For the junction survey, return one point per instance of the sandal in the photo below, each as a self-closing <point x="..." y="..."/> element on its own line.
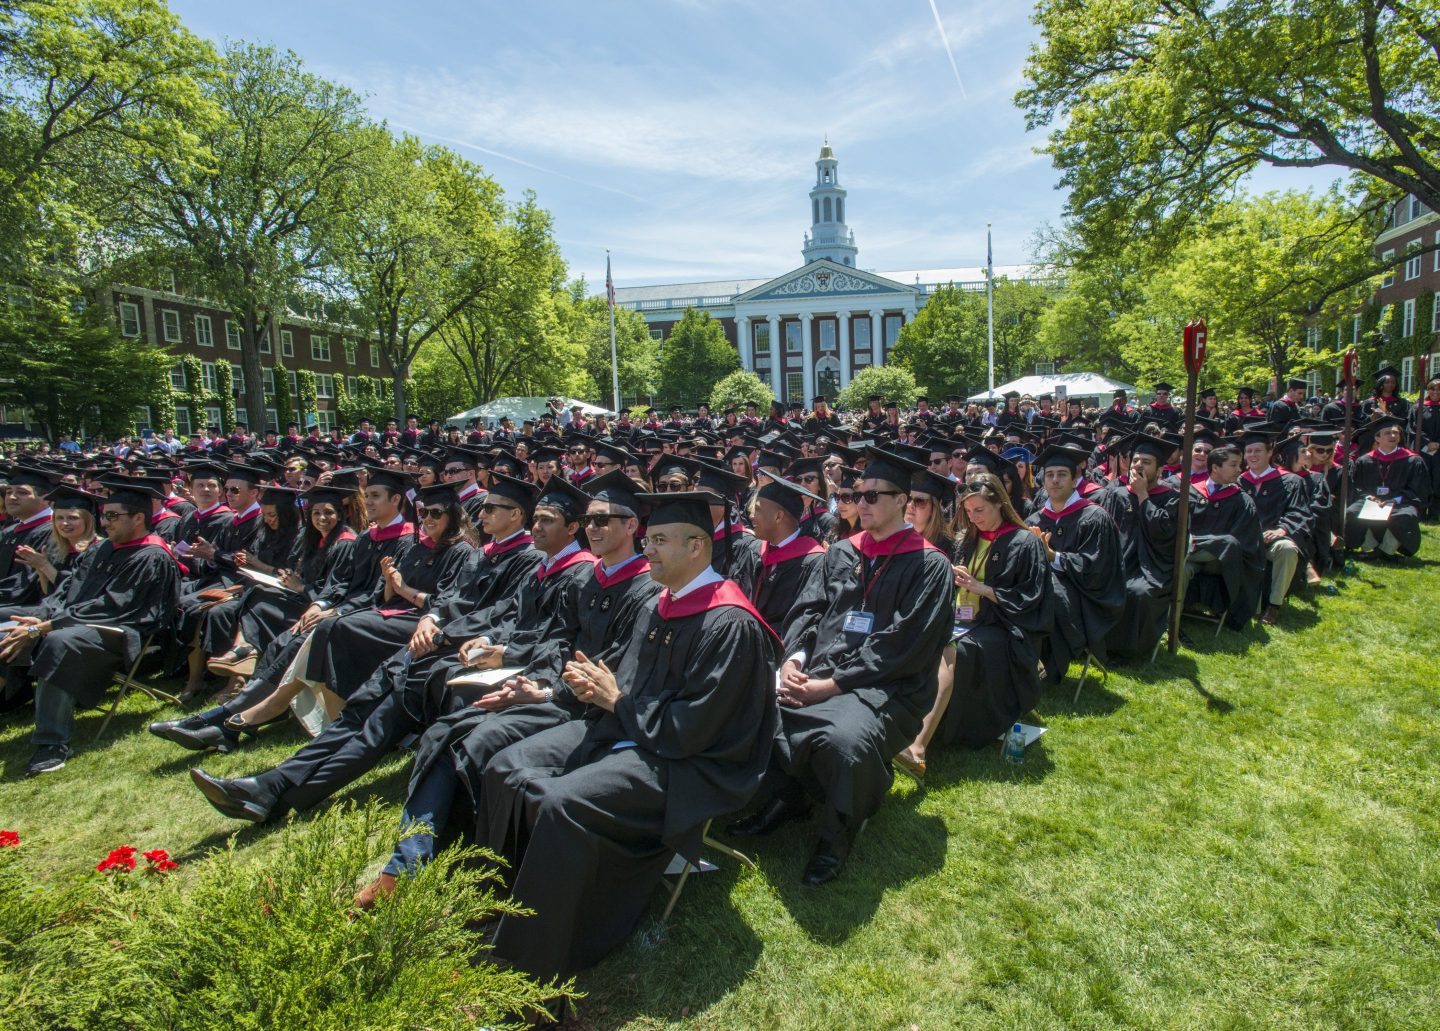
<point x="911" y="767"/>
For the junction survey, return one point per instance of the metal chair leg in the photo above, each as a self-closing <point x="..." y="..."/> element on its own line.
<point x="1084" y="671"/>
<point x="125" y="686"/>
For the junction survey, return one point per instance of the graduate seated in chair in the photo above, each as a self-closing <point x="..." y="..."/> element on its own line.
<point x="1226" y="564"/>
<point x="679" y="732"/>
<point x="97" y="625"/>
<point x="1395" y="482"/>
<point x="1282" y="502"/>
<point x="858" y="691"/>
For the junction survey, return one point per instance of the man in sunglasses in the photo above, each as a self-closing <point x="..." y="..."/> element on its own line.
<point x="863" y="678"/>
<point x="577" y="459"/>
<point x="791" y="590"/>
<point x="132" y="583"/>
<point x="461" y="466"/>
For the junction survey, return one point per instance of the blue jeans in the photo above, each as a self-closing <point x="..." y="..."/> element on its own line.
<point x="54" y="715"/>
<point x="425" y="812"/>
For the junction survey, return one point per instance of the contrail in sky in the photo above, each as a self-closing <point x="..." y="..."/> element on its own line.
<point x="948" y="52"/>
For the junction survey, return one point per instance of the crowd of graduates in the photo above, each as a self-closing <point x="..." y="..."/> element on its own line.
<point x="599" y="636"/>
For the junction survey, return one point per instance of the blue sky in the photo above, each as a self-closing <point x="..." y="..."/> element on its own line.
<point x="682" y="135"/>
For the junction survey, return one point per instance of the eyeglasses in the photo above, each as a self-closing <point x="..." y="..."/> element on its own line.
<point x="662" y="542"/>
<point x="576" y="451"/>
<point x="432" y="512"/>
<point x="110" y="517"/>
<point x="871" y="497"/>
<point x="808" y="478"/>
<point x="845" y="497"/>
<point x="917" y="500"/>
<point x="957" y="454"/>
<point x="600" y="521"/>
<point x="490" y="507"/>
<point x="455" y="470"/>
<point x="602" y="463"/>
<point x="235" y="490"/>
<point x="664" y="487"/>
<point x="939" y="460"/>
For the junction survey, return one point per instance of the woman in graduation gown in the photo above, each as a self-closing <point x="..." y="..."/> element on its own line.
<point x="322" y="554"/>
<point x="274" y="545"/>
<point x="1002" y="611"/>
<point x="72" y="537"/>
<point x="1391" y="475"/>
<point x="817" y="522"/>
<point x="360" y="641"/>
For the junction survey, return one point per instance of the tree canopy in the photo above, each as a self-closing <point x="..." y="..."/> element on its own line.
<point x="694" y="357"/>
<point x="893" y="382"/>
<point x="946" y="345"/>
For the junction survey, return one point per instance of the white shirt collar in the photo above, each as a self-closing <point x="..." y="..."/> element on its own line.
<point x="46" y="511"/>
<point x="610" y="570"/>
<point x="517" y="533"/>
<point x="707" y="577"/>
<point x="1074" y="497"/>
<point x="787" y="540"/>
<point x="569" y="549"/>
<point x="254" y="507"/>
<point x="396" y="521"/>
<point x="469" y="492"/>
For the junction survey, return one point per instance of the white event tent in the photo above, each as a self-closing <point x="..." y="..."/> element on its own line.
<point x="517" y="408"/>
<point x="1087" y="385"/>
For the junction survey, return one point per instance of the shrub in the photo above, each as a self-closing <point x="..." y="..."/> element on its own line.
<point x="739" y="389"/>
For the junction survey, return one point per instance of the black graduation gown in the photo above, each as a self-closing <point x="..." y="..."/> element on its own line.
<point x="1147" y="540"/>
<point x="361" y="640"/>
<point x="1168" y="416"/>
<point x="996" y="680"/>
<point x="1087" y="588"/>
<point x="217" y="630"/>
<point x="18" y="583"/>
<point x="791" y="593"/>
<point x="742" y="561"/>
<point x="1396" y="406"/>
<point x="132" y="587"/>
<point x="209" y="525"/>
<point x="589" y="821"/>
<point x="818" y="523"/>
<point x="1225" y="527"/>
<point x="166" y="525"/>
<point x="839" y="750"/>
<point x="1321" y="503"/>
<point x="1282" y="413"/>
<point x="1428" y="415"/>
<point x="268" y="612"/>
<point x="1282" y="501"/>
<point x="1401" y="476"/>
<point x="1334" y="414"/>
<point x="235" y="535"/>
<point x="468" y="738"/>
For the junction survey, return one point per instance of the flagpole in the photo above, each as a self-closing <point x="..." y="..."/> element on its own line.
<point x="614" y="362"/>
<point x="990" y="304"/>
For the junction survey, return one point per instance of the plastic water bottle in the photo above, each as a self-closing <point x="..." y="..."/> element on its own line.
<point x="1014" y="749"/>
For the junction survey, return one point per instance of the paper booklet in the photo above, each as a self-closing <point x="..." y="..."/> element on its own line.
<point x="264" y="578"/>
<point x="486" y="677"/>
<point x="1374" y="512"/>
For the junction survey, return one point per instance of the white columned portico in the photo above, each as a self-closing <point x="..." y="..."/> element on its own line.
<point x="742" y="342"/>
<point x="877" y="342"/>
<point x="843" y="317"/>
<point x="777" y="357"/>
<point x="807" y="360"/>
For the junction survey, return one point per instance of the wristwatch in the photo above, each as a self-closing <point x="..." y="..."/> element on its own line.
<point x="34" y="631"/>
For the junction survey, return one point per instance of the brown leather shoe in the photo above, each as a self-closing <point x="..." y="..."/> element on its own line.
<point x="1271" y="615"/>
<point x="383" y="886"/>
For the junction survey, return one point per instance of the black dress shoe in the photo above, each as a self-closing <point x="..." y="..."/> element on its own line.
<point x="192" y="722"/>
<point x="200" y="739"/>
<point x="825" y="865"/>
<point x="240" y="799"/>
<point x="773" y="814"/>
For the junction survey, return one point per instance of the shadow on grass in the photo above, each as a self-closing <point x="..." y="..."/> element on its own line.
<point x="664" y="974"/>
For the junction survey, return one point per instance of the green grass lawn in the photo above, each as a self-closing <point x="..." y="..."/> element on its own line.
<point x="1242" y="836"/>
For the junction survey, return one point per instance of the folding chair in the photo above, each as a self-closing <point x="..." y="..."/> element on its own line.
<point x="129" y="683"/>
<point x="689" y="868"/>
<point x="1084" y="672"/>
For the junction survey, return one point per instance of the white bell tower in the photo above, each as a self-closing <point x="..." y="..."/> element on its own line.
<point x="828" y="237"/>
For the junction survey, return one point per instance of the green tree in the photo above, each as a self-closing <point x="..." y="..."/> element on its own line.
<point x="1163" y="107"/>
<point x="635" y="352"/>
<point x="309" y="399"/>
<point x="288" y="159"/>
<point x="284" y="410"/>
<point x="65" y="362"/>
<point x="739" y="389"/>
<point x="225" y="394"/>
<point x="89" y="86"/>
<point x="196" y="397"/>
<point x="893" y="382"/>
<point x="943" y="346"/>
<point x="693" y="358"/>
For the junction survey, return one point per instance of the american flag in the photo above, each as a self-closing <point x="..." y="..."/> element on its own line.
<point x="609" y="283"/>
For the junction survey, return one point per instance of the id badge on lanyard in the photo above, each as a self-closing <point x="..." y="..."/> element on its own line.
<point x="859" y="622"/>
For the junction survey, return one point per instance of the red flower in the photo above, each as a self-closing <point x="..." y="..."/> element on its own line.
<point x="158" y="855"/>
<point x="122" y="858"/>
<point x="9" y="839"/>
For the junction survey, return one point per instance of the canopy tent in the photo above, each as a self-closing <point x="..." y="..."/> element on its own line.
<point x="517" y="408"/>
<point x="1074" y="384"/>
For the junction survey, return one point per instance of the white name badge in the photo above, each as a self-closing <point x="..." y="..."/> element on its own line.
<point x="965" y="614"/>
<point x="859" y="622"/>
<point x="1382" y="491"/>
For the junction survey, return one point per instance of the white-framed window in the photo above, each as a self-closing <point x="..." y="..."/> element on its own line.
<point x="287" y="344"/>
<point x="177" y="375"/>
<point x="182" y="420"/>
<point x="292" y="384"/>
<point x="1407" y="318"/>
<point x="1312" y="383"/>
<point x="657" y="335"/>
<point x="793" y="338"/>
<point x="142" y="417"/>
<point x="1416" y="208"/>
<point x="794" y="385"/>
<point x="319" y="347"/>
<point x="265" y="346"/>
<point x="350" y="384"/>
<point x="1435" y="315"/>
<point x="862" y="334"/>
<point x="272" y="420"/>
<point x="170" y="325"/>
<point x="374" y="356"/>
<point x="207" y="376"/>
<point x="1412" y="263"/>
<point x="325" y="420"/>
<point x="892" y="330"/>
<point x="213" y="417"/>
<point x="233" y="338"/>
<point x="324" y="385"/>
<point x="204" y="336"/>
<point x="349" y="352"/>
<point x="862" y="359"/>
<point x="1386" y="258"/>
<point x="129" y="319"/>
<point x="1355" y="330"/>
<point x="1407" y="374"/>
<point x="1436" y="266"/>
<point x="760" y="337"/>
<point x="1312" y="339"/>
<point x="167" y="281"/>
<point x="237" y="378"/>
<point x="267" y="381"/>
<point x="827" y="335"/>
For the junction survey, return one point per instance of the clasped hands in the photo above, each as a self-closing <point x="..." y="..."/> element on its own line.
<point x="17" y="638"/>
<point x="797" y="689"/>
<point x="592" y="681"/>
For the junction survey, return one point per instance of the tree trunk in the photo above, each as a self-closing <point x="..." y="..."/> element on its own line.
<point x="251" y="328"/>
<point x="400" y="374"/>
